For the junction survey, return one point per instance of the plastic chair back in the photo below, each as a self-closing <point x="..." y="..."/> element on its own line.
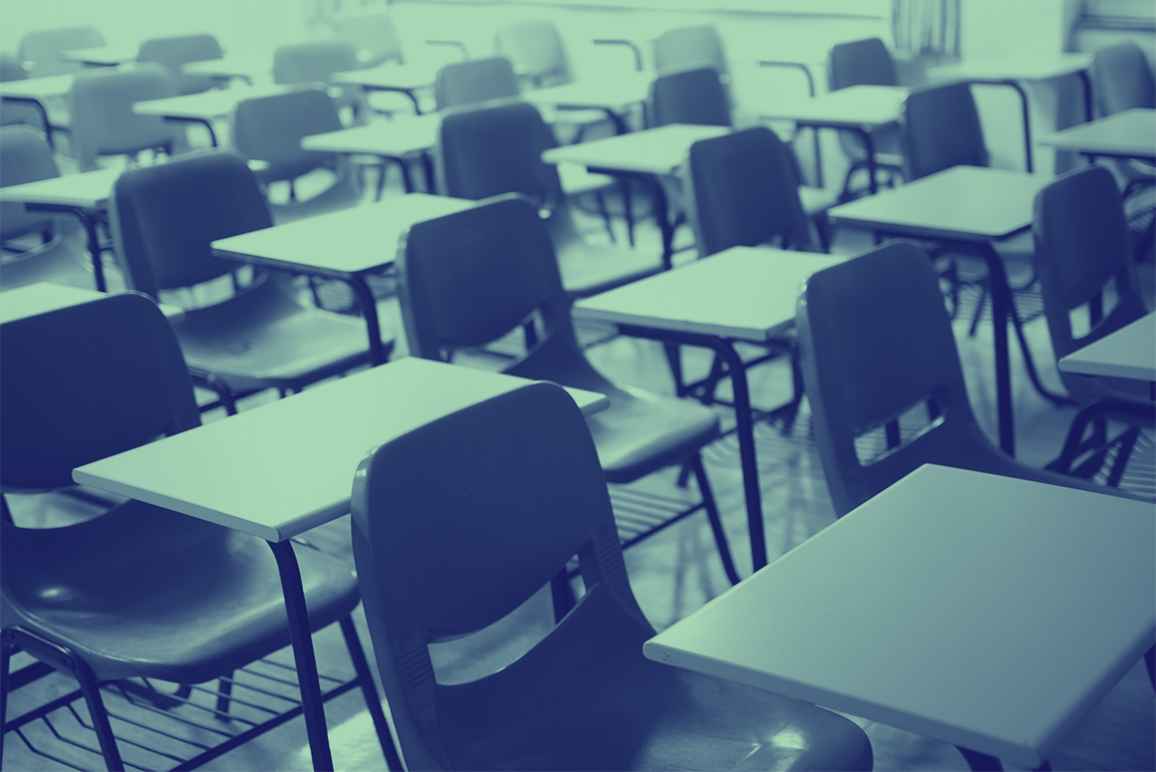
<point x="41" y="49"/>
<point x="860" y="63"/>
<point x="536" y="50"/>
<point x="24" y="157"/>
<point x="313" y="62"/>
<point x="174" y="52"/>
<point x="745" y="192"/>
<point x="103" y="120"/>
<point x="373" y="36"/>
<point x="85" y="382"/>
<point x="688" y="48"/>
<point x="512" y="482"/>
<point x="1123" y="78"/>
<point x="1083" y="254"/>
<point x="11" y="68"/>
<point x="470" y="277"/>
<point x="270" y="129"/>
<point x="876" y="341"/>
<point x="164" y="218"/>
<point x="941" y="129"/>
<point x="691" y="96"/>
<point x="475" y="81"/>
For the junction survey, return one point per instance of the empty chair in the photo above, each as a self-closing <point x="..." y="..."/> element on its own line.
<point x="59" y="258"/>
<point x="498" y="149"/>
<point x="1083" y="260"/>
<point x="941" y="129"/>
<point x="174" y="52"/>
<point x="536" y="50"/>
<point x="865" y="63"/>
<point x="138" y="591"/>
<point x="525" y="493"/>
<point x="270" y="129"/>
<point x="1123" y="78"/>
<point x="689" y="48"/>
<point x="12" y="69"/>
<point x="313" y="62"/>
<point x="690" y="96"/>
<point x="373" y="36"/>
<point x="470" y="278"/>
<point x="164" y="219"/>
<point x="475" y="81"/>
<point x="103" y="122"/>
<point x="878" y="322"/>
<point x="40" y="50"/>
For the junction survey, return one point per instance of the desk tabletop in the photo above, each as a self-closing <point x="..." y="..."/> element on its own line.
<point x="280" y="469"/>
<point x="87" y="190"/>
<point x="743" y="293"/>
<point x="1129" y="134"/>
<point x="207" y="105"/>
<point x="403" y="77"/>
<point x="235" y="66"/>
<point x="36" y="88"/>
<point x="350" y="242"/>
<point x="963" y="203"/>
<point x="855" y="106"/>
<point x="983" y="611"/>
<point x="1014" y="68"/>
<point x="42" y="297"/>
<point x="101" y="56"/>
<point x="398" y="138"/>
<point x="1129" y="352"/>
<point x="616" y="94"/>
<point x="653" y="151"/>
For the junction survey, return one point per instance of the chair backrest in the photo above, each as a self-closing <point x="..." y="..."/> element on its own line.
<point x="876" y="341"/>
<point x="11" y="68"/>
<point x="860" y="63"/>
<point x="41" y="49"/>
<point x="374" y="37"/>
<point x="24" y="157"/>
<point x="745" y="192"/>
<point x="941" y="129"/>
<point x="513" y="482"/>
<point x="470" y="277"/>
<point x="691" y="96"/>
<point x="498" y="149"/>
<point x="174" y="52"/>
<point x="164" y="218"/>
<point x="313" y="62"/>
<point x="270" y="129"/>
<point x="1083" y="257"/>
<point x="103" y="120"/>
<point x="687" y="48"/>
<point x="1123" y="78"/>
<point x="535" y="48"/>
<point x="475" y="81"/>
<point x="85" y="382"/>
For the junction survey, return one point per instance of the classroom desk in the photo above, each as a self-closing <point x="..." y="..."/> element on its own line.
<point x="42" y="297"/>
<point x="649" y="156"/>
<point x="36" y="92"/>
<point x="1129" y="352"/>
<point x="406" y="79"/>
<point x="204" y="108"/>
<point x="100" y="56"/>
<point x="243" y="67"/>
<point x="1129" y="135"/>
<point x="84" y="196"/>
<point x="349" y="246"/>
<point x="971" y="209"/>
<point x="398" y="141"/>
<point x="1012" y="72"/>
<point x="615" y="98"/>
<point x="280" y="469"/>
<point x="742" y="294"/>
<point x="859" y="109"/>
<point x="955" y="605"/>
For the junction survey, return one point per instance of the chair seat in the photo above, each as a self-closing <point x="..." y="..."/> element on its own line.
<point x="577" y="181"/>
<point x="588" y="269"/>
<point x="143" y="591"/>
<point x="64" y="260"/>
<point x="263" y="337"/>
<point x="343" y="193"/>
<point x="610" y="708"/>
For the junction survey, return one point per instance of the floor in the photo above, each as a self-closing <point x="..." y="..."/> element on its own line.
<point x="672" y="574"/>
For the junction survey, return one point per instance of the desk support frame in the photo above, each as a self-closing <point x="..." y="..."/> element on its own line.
<point x="36" y="104"/>
<point x="809" y="78"/>
<point x="90" y="220"/>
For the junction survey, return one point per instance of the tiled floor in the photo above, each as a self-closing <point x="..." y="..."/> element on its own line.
<point x="677" y="571"/>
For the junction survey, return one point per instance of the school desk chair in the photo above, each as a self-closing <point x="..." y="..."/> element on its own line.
<point x="537" y="51"/>
<point x="689" y="48"/>
<point x="1124" y="81"/>
<point x="174" y="52"/>
<point x="40" y="50"/>
<point x="374" y="37"/>
<point x="505" y="493"/>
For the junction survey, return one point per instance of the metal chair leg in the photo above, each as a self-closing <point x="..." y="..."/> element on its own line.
<point x="562" y="594"/>
<point x="225" y="694"/>
<point x="90" y="688"/>
<point x="604" y="213"/>
<point x="1123" y="454"/>
<point x="5" y="658"/>
<point x="712" y="516"/>
<point x="369" y="692"/>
